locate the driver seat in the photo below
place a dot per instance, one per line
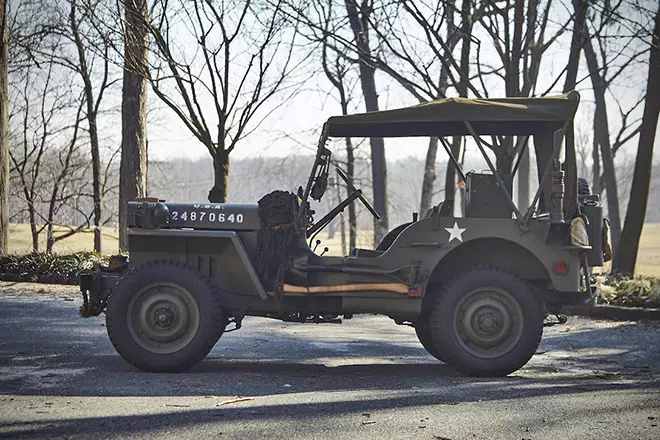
(440, 210)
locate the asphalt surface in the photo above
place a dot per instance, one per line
(366, 378)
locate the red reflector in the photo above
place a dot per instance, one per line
(561, 267)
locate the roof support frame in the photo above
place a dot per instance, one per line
(453, 159)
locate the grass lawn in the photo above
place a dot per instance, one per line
(20, 241)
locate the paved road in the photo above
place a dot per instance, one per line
(366, 378)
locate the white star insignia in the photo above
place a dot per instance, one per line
(455, 232)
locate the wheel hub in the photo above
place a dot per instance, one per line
(488, 322)
(163, 317)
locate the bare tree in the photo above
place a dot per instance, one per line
(518, 32)
(243, 57)
(625, 257)
(579, 36)
(47, 162)
(93, 102)
(358, 17)
(4, 130)
(443, 83)
(336, 67)
(133, 167)
(615, 60)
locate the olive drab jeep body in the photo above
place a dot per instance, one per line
(476, 288)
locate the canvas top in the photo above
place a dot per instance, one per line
(446, 117)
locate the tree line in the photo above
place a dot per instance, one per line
(72, 71)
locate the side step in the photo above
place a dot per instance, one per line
(389, 287)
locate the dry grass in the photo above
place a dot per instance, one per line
(648, 259)
(20, 241)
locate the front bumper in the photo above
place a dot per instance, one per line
(97, 284)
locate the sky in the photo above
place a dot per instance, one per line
(294, 127)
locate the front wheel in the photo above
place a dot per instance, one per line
(486, 322)
(164, 316)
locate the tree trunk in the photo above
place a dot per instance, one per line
(133, 166)
(428, 181)
(504, 165)
(579, 37)
(602, 135)
(96, 176)
(4, 131)
(523, 181)
(462, 88)
(352, 216)
(596, 185)
(450, 175)
(49, 238)
(218, 193)
(359, 25)
(33, 228)
(429, 176)
(93, 131)
(626, 256)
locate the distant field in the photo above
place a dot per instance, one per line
(648, 260)
(20, 241)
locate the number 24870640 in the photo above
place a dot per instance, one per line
(213, 217)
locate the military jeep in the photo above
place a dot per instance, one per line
(476, 288)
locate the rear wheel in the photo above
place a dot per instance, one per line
(486, 322)
(164, 316)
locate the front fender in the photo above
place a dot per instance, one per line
(220, 255)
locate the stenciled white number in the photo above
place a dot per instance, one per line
(220, 217)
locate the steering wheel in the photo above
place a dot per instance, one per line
(366, 204)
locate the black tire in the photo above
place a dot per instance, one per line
(164, 316)
(423, 332)
(486, 322)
